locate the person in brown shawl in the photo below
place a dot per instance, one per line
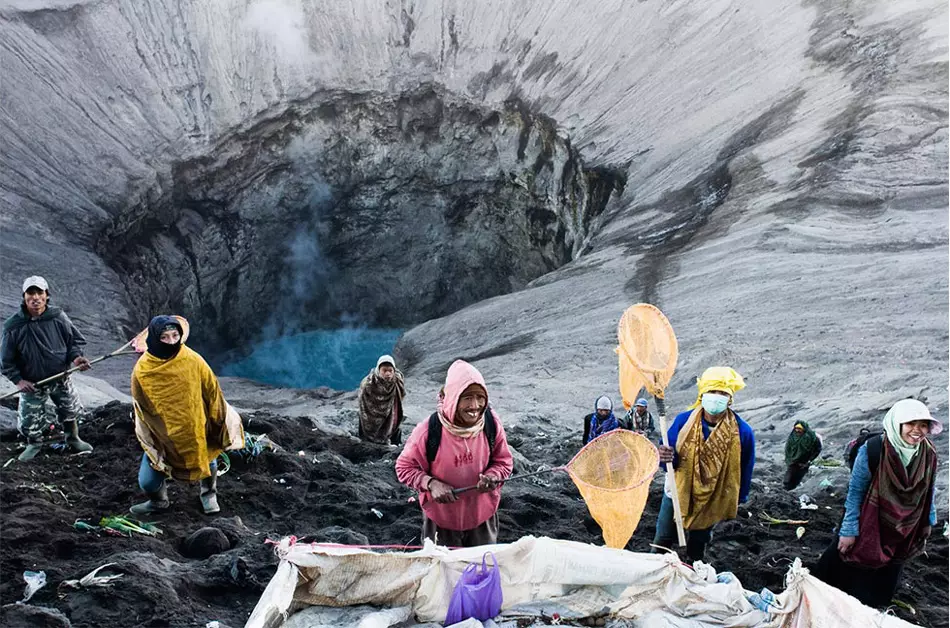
(889, 511)
(381, 395)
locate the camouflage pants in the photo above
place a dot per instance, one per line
(32, 413)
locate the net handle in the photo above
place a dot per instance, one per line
(671, 474)
(457, 491)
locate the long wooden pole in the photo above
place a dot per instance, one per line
(53, 378)
(670, 474)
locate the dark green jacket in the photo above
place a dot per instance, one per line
(34, 349)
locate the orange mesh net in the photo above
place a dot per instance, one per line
(647, 351)
(613, 473)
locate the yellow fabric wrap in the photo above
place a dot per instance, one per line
(709, 471)
(718, 378)
(181, 417)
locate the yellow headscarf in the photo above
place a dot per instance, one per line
(718, 378)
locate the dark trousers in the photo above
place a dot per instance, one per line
(665, 536)
(485, 534)
(873, 587)
(794, 474)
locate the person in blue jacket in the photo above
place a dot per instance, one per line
(601, 421)
(890, 508)
(713, 452)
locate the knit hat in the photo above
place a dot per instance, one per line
(385, 359)
(604, 403)
(642, 402)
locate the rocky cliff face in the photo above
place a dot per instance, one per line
(773, 177)
(388, 209)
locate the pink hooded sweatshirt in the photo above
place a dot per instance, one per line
(458, 462)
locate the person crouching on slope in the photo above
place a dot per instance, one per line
(181, 418)
(713, 452)
(462, 444)
(601, 421)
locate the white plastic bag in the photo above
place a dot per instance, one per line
(35, 580)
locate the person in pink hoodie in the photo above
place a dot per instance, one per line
(464, 457)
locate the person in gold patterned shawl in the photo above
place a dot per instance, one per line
(713, 452)
(181, 418)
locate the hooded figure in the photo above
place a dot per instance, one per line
(713, 452)
(601, 421)
(889, 510)
(464, 458)
(381, 395)
(801, 448)
(181, 418)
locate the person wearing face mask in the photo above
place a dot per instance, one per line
(38, 342)
(381, 395)
(462, 444)
(889, 511)
(182, 420)
(713, 452)
(601, 421)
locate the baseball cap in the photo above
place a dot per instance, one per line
(37, 281)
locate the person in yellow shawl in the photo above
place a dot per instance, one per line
(713, 452)
(181, 418)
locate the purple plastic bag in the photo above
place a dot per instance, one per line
(477, 593)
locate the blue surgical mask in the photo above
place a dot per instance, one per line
(714, 403)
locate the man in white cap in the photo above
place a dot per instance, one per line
(381, 395)
(601, 421)
(38, 342)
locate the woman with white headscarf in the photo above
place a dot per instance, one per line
(889, 511)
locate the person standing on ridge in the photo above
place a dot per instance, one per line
(381, 395)
(38, 342)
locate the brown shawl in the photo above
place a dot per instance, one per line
(380, 406)
(709, 471)
(896, 510)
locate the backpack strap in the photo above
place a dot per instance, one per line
(434, 436)
(875, 447)
(491, 431)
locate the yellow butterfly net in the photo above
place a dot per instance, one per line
(647, 351)
(613, 473)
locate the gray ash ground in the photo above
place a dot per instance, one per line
(327, 494)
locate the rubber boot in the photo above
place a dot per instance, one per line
(157, 502)
(209, 495)
(33, 447)
(71, 429)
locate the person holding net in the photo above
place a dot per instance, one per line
(713, 452)
(461, 444)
